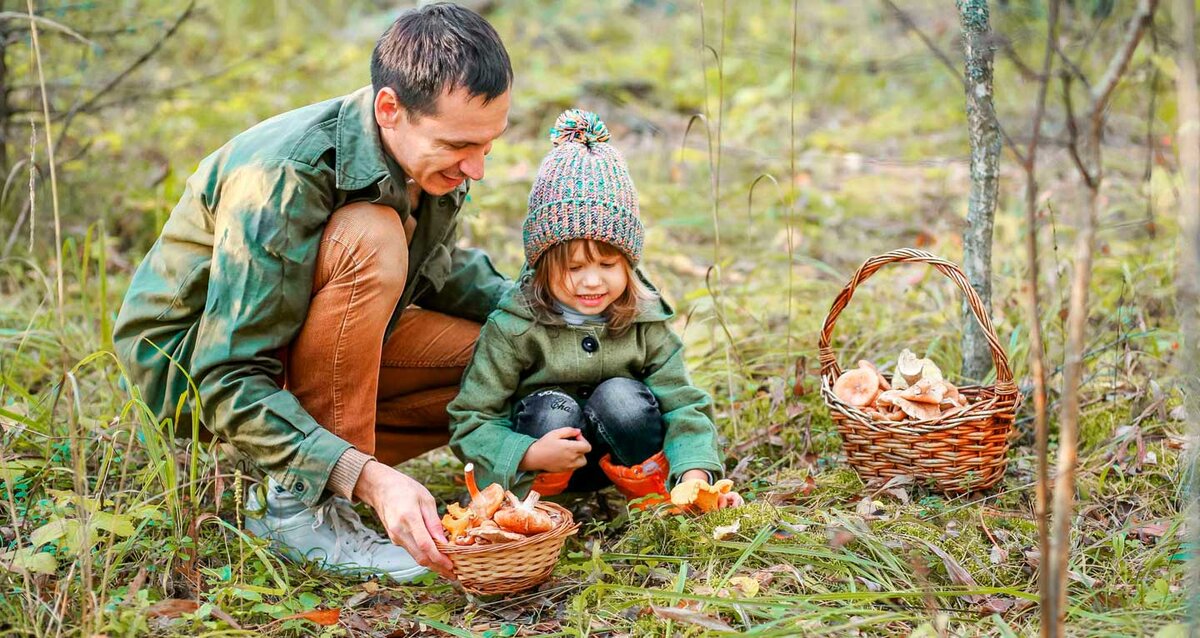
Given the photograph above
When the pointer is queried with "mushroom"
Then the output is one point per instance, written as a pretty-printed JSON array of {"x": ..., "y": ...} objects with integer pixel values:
[
  {"x": 883, "y": 382},
  {"x": 925, "y": 391},
  {"x": 456, "y": 521},
  {"x": 483, "y": 503},
  {"x": 523, "y": 517},
  {"x": 930, "y": 371},
  {"x": 918, "y": 411},
  {"x": 698, "y": 494},
  {"x": 888, "y": 398},
  {"x": 490, "y": 532},
  {"x": 857, "y": 387},
  {"x": 908, "y": 370}
]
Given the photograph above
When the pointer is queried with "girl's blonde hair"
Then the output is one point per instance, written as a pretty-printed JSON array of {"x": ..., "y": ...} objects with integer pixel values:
[{"x": 620, "y": 314}]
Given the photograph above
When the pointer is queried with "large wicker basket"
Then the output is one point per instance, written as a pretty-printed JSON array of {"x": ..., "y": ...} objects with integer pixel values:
[
  {"x": 962, "y": 453},
  {"x": 512, "y": 567}
]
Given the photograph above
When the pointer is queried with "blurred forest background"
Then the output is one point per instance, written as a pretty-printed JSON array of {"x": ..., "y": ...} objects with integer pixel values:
[{"x": 831, "y": 132}]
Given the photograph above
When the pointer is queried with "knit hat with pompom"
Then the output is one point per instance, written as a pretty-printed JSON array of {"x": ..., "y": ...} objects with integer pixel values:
[{"x": 582, "y": 191}]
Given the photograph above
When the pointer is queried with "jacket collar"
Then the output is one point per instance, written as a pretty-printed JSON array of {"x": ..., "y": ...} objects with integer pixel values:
[{"x": 361, "y": 158}]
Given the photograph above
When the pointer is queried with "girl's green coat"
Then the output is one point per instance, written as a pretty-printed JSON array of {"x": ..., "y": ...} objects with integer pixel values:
[{"x": 516, "y": 356}]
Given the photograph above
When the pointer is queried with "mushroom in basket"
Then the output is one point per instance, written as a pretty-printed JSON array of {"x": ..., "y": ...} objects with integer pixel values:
[{"x": 494, "y": 515}]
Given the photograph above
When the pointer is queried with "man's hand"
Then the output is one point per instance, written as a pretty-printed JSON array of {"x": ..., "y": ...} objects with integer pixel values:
[
  {"x": 408, "y": 512},
  {"x": 560, "y": 450}
]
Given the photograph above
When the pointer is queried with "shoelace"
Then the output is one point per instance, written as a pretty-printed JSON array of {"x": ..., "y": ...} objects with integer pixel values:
[{"x": 346, "y": 524}]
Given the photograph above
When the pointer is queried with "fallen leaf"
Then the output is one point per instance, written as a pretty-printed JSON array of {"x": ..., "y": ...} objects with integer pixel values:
[
  {"x": 870, "y": 584},
  {"x": 766, "y": 576},
  {"x": 172, "y": 608},
  {"x": 323, "y": 617},
  {"x": 869, "y": 509},
  {"x": 691, "y": 616},
  {"x": 998, "y": 555},
  {"x": 726, "y": 532},
  {"x": 839, "y": 537},
  {"x": 1082, "y": 579},
  {"x": 1149, "y": 533},
  {"x": 747, "y": 585},
  {"x": 997, "y": 604},
  {"x": 958, "y": 575},
  {"x": 1178, "y": 413}
]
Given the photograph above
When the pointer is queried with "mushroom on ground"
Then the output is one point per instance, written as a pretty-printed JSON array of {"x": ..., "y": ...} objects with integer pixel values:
[
  {"x": 698, "y": 494},
  {"x": 523, "y": 517},
  {"x": 857, "y": 387}
]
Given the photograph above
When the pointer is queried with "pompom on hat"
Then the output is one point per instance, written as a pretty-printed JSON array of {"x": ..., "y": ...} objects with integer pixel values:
[{"x": 582, "y": 191}]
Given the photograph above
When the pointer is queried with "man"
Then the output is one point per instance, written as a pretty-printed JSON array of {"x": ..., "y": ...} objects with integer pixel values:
[{"x": 282, "y": 283}]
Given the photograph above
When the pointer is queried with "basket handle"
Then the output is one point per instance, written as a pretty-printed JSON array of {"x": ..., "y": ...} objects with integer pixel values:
[{"x": 829, "y": 365}]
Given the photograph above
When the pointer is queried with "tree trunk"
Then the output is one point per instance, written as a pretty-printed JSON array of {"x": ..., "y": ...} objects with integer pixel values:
[
  {"x": 1187, "y": 272},
  {"x": 985, "y": 172}
]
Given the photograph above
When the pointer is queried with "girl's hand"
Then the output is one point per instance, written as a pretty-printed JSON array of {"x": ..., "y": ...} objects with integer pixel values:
[
  {"x": 560, "y": 450},
  {"x": 729, "y": 499}
]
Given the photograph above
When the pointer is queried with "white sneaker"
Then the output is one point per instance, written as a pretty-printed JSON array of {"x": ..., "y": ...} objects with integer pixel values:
[{"x": 331, "y": 534}]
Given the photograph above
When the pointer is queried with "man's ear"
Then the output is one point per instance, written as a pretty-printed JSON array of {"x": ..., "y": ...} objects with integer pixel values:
[{"x": 388, "y": 109}]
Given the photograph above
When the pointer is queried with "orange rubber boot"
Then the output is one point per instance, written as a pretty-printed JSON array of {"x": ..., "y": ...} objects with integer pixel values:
[
  {"x": 551, "y": 483},
  {"x": 644, "y": 479}
]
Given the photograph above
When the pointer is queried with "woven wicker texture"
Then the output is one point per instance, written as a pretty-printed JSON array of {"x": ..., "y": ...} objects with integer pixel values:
[
  {"x": 964, "y": 452},
  {"x": 506, "y": 568}
]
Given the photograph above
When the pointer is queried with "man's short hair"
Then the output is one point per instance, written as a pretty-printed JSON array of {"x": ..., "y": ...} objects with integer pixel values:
[{"x": 440, "y": 47}]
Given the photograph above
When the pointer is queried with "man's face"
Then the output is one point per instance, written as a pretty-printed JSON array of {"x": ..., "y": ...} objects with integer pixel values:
[{"x": 439, "y": 151}]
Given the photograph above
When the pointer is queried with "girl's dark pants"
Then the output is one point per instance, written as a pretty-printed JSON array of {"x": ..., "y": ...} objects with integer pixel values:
[{"x": 620, "y": 416}]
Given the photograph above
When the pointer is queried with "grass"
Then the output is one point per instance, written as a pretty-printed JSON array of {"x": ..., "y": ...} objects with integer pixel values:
[{"x": 105, "y": 518}]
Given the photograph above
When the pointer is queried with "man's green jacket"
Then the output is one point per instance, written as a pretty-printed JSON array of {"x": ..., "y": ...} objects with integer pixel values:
[{"x": 228, "y": 283}]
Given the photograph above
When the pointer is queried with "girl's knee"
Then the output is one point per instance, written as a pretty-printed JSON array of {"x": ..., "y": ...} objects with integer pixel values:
[
  {"x": 546, "y": 410},
  {"x": 624, "y": 414}
]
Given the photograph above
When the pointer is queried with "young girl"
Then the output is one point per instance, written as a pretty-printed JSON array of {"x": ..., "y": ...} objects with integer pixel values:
[{"x": 577, "y": 381}]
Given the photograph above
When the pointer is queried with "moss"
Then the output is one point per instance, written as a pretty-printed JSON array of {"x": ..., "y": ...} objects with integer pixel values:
[
  {"x": 1098, "y": 424},
  {"x": 969, "y": 547}
]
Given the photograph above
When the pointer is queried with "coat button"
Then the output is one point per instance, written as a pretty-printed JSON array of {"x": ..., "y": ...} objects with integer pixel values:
[
  {"x": 590, "y": 344},
  {"x": 298, "y": 487}
]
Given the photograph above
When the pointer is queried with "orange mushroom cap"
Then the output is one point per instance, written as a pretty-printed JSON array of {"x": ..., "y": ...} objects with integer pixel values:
[
  {"x": 523, "y": 517},
  {"x": 857, "y": 387},
  {"x": 486, "y": 502}
]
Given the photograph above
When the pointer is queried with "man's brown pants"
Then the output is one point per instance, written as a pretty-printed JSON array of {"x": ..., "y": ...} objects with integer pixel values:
[{"x": 387, "y": 398}]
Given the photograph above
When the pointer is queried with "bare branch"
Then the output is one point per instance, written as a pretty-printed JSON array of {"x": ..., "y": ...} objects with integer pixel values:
[
  {"x": 1120, "y": 60},
  {"x": 120, "y": 77},
  {"x": 908, "y": 23},
  {"x": 1073, "y": 133},
  {"x": 1072, "y": 67},
  {"x": 46, "y": 22},
  {"x": 1037, "y": 356},
  {"x": 1006, "y": 46}
]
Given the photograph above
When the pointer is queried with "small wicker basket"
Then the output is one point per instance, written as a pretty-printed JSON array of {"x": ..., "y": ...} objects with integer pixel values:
[
  {"x": 964, "y": 452},
  {"x": 506, "y": 568}
]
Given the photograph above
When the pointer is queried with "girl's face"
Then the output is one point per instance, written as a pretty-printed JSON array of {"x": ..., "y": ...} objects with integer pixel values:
[{"x": 591, "y": 283}]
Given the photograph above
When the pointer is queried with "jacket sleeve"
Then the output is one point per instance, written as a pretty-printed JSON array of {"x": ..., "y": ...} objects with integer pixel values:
[
  {"x": 690, "y": 441},
  {"x": 471, "y": 290},
  {"x": 268, "y": 222},
  {"x": 481, "y": 428}
]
